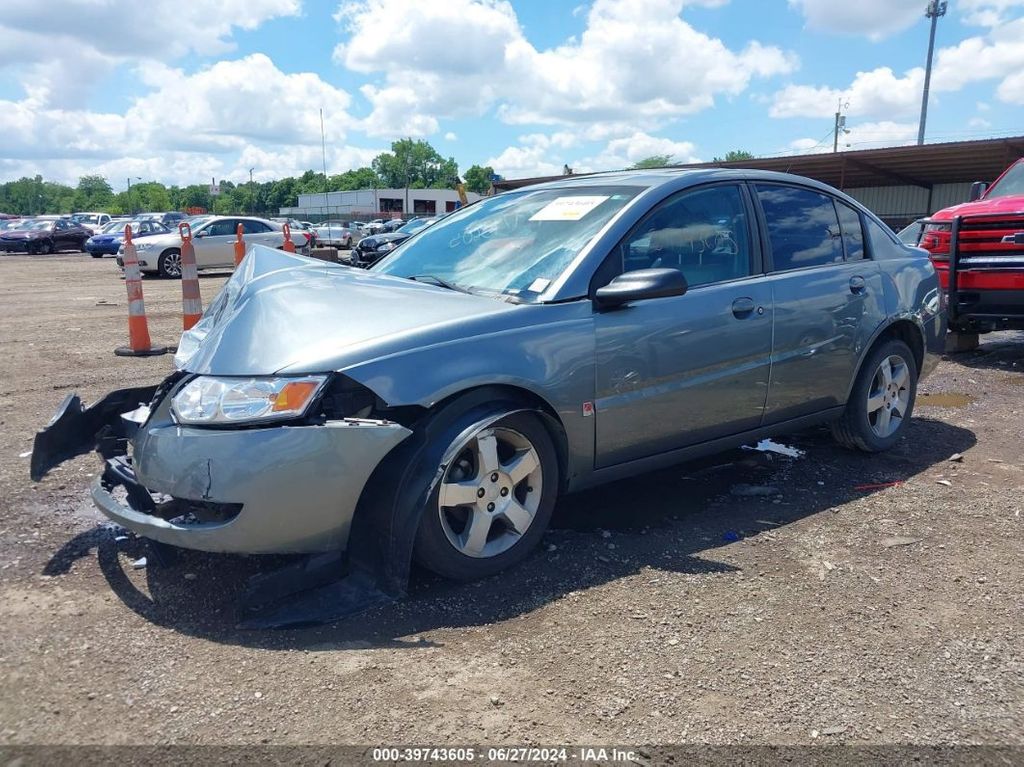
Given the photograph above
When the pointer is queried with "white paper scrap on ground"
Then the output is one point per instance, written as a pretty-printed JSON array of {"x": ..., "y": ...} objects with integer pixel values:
[
  {"x": 568, "y": 208},
  {"x": 770, "y": 446}
]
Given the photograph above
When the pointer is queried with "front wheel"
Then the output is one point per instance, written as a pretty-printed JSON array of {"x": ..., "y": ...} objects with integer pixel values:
[
  {"x": 45, "y": 248},
  {"x": 882, "y": 400},
  {"x": 169, "y": 264},
  {"x": 493, "y": 502}
]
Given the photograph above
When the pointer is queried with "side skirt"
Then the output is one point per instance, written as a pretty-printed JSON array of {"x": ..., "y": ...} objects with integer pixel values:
[{"x": 691, "y": 452}]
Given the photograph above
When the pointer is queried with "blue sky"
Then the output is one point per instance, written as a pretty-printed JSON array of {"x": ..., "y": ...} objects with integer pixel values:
[{"x": 184, "y": 92}]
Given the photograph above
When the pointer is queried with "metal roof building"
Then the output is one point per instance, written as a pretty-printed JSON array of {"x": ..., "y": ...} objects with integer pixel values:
[{"x": 900, "y": 184}]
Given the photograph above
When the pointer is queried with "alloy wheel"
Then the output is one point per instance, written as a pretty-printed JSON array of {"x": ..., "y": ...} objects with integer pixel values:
[
  {"x": 172, "y": 264},
  {"x": 490, "y": 492},
  {"x": 889, "y": 396}
]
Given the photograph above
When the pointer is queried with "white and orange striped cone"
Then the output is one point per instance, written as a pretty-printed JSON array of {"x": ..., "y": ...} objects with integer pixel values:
[
  {"x": 139, "y": 342},
  {"x": 240, "y": 245},
  {"x": 191, "y": 300},
  {"x": 288, "y": 244}
]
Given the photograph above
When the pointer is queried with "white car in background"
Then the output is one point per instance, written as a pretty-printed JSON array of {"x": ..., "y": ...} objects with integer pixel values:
[
  {"x": 92, "y": 221},
  {"x": 334, "y": 234},
  {"x": 214, "y": 242}
]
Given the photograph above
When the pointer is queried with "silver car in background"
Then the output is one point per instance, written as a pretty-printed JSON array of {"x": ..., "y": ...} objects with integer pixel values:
[{"x": 538, "y": 342}]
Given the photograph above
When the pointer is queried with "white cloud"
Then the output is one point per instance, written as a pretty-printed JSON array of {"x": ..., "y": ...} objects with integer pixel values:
[
  {"x": 637, "y": 62},
  {"x": 874, "y": 19},
  {"x": 61, "y": 48},
  {"x": 543, "y": 154},
  {"x": 997, "y": 55},
  {"x": 224, "y": 119},
  {"x": 450, "y": 136},
  {"x": 862, "y": 136},
  {"x": 878, "y": 93},
  {"x": 987, "y": 13},
  {"x": 627, "y": 151}
]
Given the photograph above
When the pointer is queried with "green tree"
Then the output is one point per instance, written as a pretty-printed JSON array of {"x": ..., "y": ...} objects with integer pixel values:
[
  {"x": 92, "y": 193},
  {"x": 735, "y": 155},
  {"x": 479, "y": 179},
  {"x": 357, "y": 178},
  {"x": 415, "y": 164},
  {"x": 654, "y": 161}
]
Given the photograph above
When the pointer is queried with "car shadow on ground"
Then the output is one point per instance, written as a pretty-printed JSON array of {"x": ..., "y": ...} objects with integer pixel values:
[{"x": 670, "y": 521}]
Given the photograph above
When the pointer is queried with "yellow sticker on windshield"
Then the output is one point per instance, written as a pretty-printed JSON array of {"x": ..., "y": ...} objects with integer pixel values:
[{"x": 568, "y": 208}]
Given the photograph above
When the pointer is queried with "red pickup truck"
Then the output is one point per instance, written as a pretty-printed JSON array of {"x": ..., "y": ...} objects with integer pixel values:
[{"x": 978, "y": 250}]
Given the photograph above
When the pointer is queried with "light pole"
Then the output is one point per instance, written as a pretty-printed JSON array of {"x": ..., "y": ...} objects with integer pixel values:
[
  {"x": 252, "y": 196},
  {"x": 934, "y": 10}
]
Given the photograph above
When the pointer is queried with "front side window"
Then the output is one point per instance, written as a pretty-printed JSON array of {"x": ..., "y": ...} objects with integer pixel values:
[
  {"x": 221, "y": 228},
  {"x": 803, "y": 228},
  {"x": 701, "y": 232},
  {"x": 513, "y": 245}
]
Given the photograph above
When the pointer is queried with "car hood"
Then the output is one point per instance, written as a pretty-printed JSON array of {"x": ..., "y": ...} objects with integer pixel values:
[
  {"x": 282, "y": 312},
  {"x": 1008, "y": 204},
  {"x": 379, "y": 239},
  {"x": 23, "y": 234}
]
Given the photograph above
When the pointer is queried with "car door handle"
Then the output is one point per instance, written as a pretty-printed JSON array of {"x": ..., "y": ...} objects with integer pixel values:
[
  {"x": 857, "y": 285},
  {"x": 742, "y": 307}
]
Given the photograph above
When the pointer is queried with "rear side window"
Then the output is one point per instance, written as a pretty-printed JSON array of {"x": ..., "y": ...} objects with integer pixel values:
[
  {"x": 853, "y": 234},
  {"x": 803, "y": 229},
  {"x": 881, "y": 242},
  {"x": 254, "y": 227}
]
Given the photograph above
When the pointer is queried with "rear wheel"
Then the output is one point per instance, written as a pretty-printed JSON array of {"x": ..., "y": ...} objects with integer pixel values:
[
  {"x": 493, "y": 502},
  {"x": 882, "y": 400},
  {"x": 169, "y": 264}
]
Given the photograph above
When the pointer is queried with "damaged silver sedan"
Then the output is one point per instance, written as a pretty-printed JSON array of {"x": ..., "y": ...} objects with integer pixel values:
[{"x": 540, "y": 341}]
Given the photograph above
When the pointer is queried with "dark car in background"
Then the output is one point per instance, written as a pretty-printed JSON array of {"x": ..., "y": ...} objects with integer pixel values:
[
  {"x": 170, "y": 218},
  {"x": 107, "y": 242},
  {"x": 371, "y": 249},
  {"x": 45, "y": 236}
]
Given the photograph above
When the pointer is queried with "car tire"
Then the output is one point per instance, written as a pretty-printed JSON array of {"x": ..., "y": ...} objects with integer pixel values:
[
  {"x": 494, "y": 500},
  {"x": 169, "y": 264},
  {"x": 881, "y": 401},
  {"x": 45, "y": 248},
  {"x": 96, "y": 255}
]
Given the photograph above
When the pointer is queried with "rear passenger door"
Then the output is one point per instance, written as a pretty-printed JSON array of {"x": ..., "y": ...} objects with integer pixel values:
[
  {"x": 259, "y": 233},
  {"x": 827, "y": 296}
]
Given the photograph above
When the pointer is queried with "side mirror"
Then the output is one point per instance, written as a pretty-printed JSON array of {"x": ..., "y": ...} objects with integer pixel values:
[
  {"x": 639, "y": 285},
  {"x": 978, "y": 189},
  {"x": 201, "y": 234}
]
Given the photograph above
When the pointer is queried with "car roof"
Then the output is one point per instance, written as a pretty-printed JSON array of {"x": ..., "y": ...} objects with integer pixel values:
[{"x": 655, "y": 177}]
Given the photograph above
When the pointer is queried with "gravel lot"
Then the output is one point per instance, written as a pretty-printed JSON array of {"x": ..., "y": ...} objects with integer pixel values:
[{"x": 670, "y": 608}]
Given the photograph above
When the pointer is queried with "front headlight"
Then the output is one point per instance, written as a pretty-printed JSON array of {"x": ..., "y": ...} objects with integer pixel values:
[
  {"x": 386, "y": 247},
  {"x": 213, "y": 400}
]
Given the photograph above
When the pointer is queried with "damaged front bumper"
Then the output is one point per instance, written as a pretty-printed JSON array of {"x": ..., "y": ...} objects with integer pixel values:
[{"x": 274, "y": 489}]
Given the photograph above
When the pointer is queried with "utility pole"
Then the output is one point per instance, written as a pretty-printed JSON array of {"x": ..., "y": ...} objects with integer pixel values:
[
  {"x": 934, "y": 10},
  {"x": 252, "y": 196},
  {"x": 840, "y": 124}
]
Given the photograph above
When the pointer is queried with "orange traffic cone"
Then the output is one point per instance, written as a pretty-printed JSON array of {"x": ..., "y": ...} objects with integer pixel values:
[
  {"x": 139, "y": 342},
  {"x": 240, "y": 245},
  {"x": 288, "y": 244},
  {"x": 191, "y": 301}
]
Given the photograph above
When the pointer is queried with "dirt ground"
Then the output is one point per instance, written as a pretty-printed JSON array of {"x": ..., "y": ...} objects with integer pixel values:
[{"x": 670, "y": 608}]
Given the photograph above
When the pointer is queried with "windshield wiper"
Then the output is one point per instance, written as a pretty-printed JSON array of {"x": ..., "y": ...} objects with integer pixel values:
[{"x": 433, "y": 279}]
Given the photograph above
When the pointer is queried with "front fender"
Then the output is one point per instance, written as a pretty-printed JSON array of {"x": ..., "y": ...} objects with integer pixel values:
[{"x": 554, "y": 362}]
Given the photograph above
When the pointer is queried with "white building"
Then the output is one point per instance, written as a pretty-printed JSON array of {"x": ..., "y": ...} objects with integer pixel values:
[{"x": 376, "y": 203}]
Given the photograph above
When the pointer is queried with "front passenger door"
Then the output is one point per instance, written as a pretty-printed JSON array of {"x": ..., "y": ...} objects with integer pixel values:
[
  {"x": 680, "y": 370},
  {"x": 214, "y": 247}
]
